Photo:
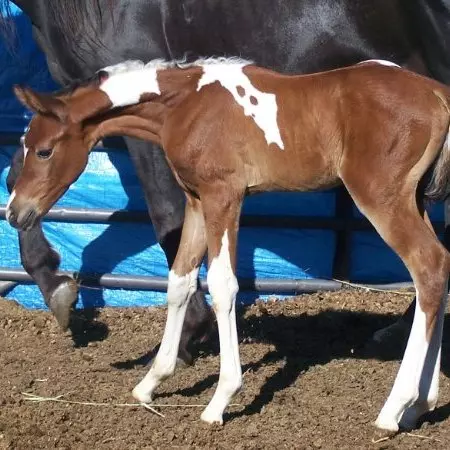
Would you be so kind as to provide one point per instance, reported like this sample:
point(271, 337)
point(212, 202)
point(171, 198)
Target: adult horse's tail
point(438, 188)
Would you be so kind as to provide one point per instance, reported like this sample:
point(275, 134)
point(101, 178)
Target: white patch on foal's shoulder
point(128, 81)
point(383, 62)
point(261, 106)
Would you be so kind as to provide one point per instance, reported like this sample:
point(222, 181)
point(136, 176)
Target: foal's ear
point(40, 103)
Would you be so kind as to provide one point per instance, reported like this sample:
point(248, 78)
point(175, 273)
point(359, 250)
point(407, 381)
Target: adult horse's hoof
point(62, 301)
point(396, 333)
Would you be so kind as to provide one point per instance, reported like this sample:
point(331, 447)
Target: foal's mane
point(161, 64)
point(156, 64)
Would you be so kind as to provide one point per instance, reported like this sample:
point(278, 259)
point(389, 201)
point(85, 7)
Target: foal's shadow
point(303, 341)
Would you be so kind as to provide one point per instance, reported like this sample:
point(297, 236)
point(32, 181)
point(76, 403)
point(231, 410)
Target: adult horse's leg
point(165, 201)
point(182, 285)
point(41, 261)
point(399, 330)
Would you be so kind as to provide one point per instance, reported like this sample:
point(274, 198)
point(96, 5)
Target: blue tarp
point(130, 248)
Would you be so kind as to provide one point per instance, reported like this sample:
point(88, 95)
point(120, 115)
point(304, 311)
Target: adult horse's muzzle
point(21, 214)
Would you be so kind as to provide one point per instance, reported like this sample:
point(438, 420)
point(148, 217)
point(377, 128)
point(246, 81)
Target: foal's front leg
point(182, 285)
point(166, 203)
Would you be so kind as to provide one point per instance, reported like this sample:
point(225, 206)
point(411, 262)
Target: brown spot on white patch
point(253, 100)
point(240, 91)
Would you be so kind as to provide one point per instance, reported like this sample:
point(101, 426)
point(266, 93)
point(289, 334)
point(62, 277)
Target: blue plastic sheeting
point(130, 248)
point(20, 63)
point(124, 248)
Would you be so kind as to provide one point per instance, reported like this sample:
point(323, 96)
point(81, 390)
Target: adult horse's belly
point(292, 35)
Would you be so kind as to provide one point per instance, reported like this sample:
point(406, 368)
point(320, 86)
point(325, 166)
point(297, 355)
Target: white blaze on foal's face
point(128, 81)
point(22, 143)
point(262, 106)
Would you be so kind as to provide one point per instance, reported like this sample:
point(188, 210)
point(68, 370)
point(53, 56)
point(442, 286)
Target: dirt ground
point(311, 381)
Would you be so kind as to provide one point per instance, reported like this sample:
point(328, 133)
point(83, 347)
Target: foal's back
point(368, 112)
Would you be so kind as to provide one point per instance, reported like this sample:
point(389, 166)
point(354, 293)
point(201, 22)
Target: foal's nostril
point(11, 217)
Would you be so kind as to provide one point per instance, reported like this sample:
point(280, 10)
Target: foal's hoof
point(211, 417)
point(383, 435)
point(184, 358)
point(141, 396)
point(182, 364)
point(411, 415)
point(62, 301)
point(386, 428)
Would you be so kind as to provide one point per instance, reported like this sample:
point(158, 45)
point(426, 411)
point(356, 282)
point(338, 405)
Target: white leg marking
point(429, 381)
point(262, 106)
point(223, 287)
point(416, 383)
point(180, 290)
point(11, 199)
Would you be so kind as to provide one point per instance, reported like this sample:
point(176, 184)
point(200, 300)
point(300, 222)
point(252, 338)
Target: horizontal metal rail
point(97, 215)
point(144, 283)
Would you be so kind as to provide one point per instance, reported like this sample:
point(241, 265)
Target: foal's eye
point(44, 154)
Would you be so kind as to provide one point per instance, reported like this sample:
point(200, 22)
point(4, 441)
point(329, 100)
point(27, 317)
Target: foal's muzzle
point(22, 218)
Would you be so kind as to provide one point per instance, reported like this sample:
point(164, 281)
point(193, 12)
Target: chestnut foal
point(229, 128)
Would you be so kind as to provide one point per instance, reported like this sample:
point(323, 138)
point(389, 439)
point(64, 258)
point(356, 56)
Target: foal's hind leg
point(398, 332)
point(182, 285)
point(398, 221)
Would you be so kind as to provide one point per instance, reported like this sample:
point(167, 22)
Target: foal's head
point(56, 147)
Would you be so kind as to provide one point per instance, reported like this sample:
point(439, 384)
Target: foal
point(229, 128)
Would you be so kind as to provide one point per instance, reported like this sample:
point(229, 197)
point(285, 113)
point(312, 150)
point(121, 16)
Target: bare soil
point(311, 380)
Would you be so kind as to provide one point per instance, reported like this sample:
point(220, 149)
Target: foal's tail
point(438, 188)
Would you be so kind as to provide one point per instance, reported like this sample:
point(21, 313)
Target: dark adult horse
point(81, 36)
